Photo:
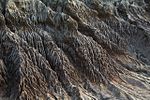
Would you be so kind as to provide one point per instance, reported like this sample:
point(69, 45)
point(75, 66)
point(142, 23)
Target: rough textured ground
point(75, 49)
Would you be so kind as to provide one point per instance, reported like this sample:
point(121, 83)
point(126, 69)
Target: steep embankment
point(74, 49)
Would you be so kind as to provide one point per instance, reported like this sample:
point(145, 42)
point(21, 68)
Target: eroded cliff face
point(74, 49)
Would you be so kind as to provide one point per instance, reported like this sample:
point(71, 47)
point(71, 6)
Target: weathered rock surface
point(75, 49)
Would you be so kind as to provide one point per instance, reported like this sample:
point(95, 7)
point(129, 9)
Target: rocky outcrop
point(74, 50)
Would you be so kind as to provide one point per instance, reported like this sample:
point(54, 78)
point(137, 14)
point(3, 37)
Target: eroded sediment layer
point(74, 49)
